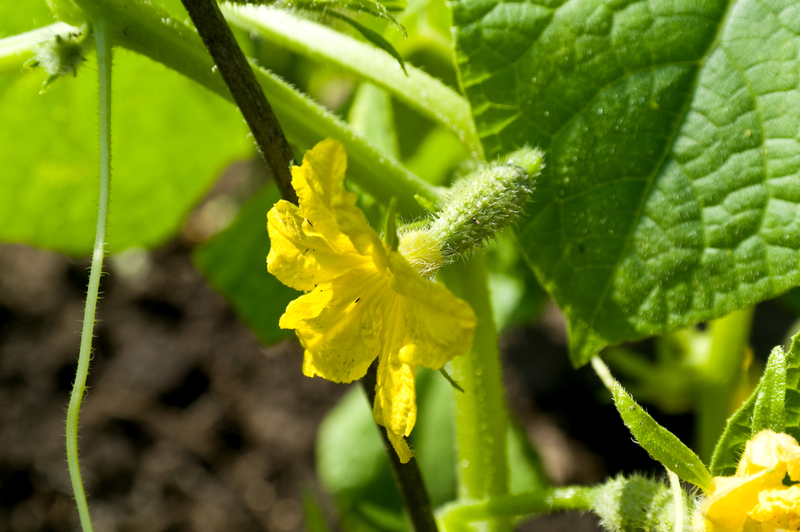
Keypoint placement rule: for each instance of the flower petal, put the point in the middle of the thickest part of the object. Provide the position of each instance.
(732, 497)
(400, 447)
(769, 450)
(326, 204)
(395, 393)
(303, 258)
(338, 324)
(439, 326)
(778, 509)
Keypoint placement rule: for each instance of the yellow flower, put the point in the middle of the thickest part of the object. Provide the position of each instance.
(362, 300)
(755, 498)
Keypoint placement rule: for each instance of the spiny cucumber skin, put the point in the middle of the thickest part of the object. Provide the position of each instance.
(638, 504)
(485, 202)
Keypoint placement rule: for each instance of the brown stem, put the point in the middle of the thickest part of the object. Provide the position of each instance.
(246, 92)
(407, 476)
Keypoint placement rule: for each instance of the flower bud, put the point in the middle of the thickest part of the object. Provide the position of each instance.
(637, 503)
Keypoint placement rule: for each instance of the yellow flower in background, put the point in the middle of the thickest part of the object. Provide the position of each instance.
(755, 498)
(362, 300)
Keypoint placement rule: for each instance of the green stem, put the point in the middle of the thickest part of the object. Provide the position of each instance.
(457, 516)
(79, 387)
(481, 418)
(721, 374)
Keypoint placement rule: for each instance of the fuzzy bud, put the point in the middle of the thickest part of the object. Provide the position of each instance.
(637, 503)
(485, 202)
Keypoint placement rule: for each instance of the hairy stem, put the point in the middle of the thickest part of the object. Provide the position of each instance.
(481, 418)
(407, 476)
(79, 386)
(457, 516)
(238, 76)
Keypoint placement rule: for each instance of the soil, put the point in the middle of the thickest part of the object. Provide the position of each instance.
(190, 425)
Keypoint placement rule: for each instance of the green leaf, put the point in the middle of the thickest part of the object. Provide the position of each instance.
(730, 445)
(437, 157)
(372, 36)
(793, 389)
(660, 443)
(755, 414)
(313, 516)
(418, 90)
(170, 138)
(234, 262)
(769, 411)
(371, 115)
(373, 7)
(434, 436)
(670, 192)
(526, 472)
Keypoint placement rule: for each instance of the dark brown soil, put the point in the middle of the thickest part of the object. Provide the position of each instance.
(188, 424)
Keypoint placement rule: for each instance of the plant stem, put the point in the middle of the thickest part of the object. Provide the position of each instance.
(407, 476)
(238, 75)
(481, 418)
(79, 387)
(456, 516)
(721, 374)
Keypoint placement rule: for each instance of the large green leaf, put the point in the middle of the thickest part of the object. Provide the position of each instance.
(670, 128)
(170, 138)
